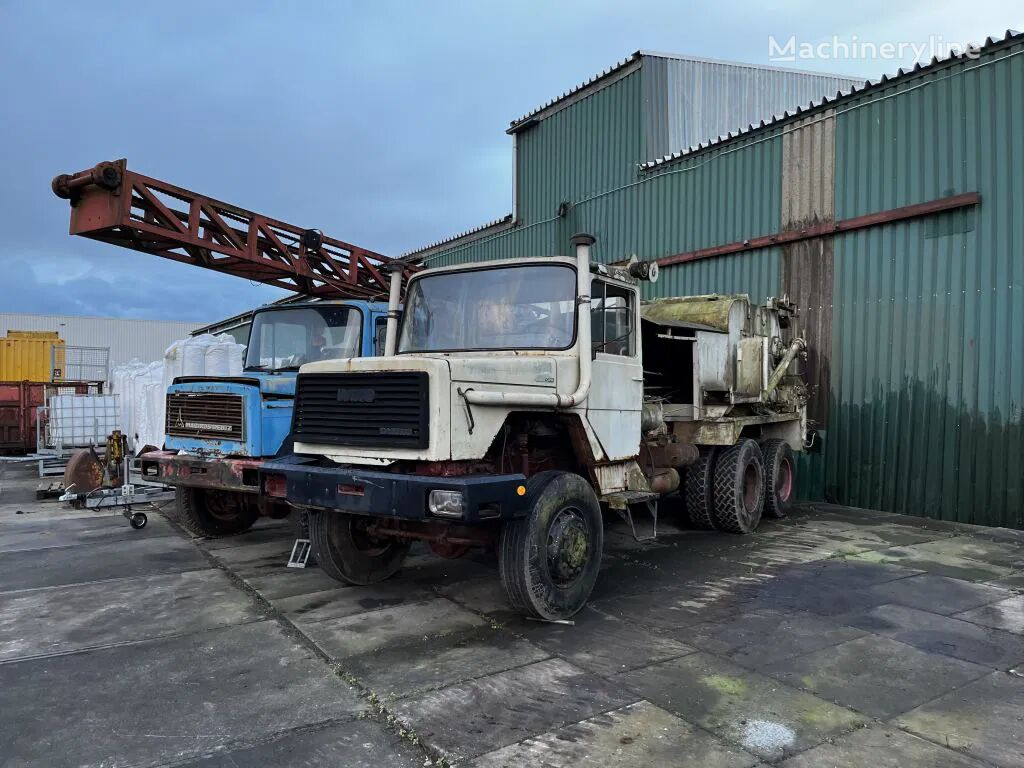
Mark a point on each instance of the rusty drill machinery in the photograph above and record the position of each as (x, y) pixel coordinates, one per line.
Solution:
(115, 205)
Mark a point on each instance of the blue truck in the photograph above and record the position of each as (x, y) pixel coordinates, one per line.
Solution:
(219, 431)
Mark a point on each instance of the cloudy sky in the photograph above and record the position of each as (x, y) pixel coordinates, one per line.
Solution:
(380, 123)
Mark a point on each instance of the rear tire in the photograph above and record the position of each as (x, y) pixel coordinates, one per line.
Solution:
(697, 489)
(779, 477)
(203, 512)
(345, 553)
(549, 559)
(739, 488)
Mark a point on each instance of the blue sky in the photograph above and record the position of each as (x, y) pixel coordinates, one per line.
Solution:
(380, 123)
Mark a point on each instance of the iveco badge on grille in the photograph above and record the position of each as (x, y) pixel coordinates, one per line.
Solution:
(360, 395)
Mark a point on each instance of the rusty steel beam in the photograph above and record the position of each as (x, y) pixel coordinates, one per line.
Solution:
(829, 228)
(111, 204)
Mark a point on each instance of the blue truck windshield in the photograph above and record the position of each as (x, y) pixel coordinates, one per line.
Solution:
(522, 307)
(284, 339)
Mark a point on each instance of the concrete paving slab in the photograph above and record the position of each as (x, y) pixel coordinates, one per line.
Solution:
(350, 600)
(469, 719)
(943, 564)
(374, 630)
(824, 600)
(938, 594)
(672, 609)
(971, 548)
(1014, 581)
(880, 534)
(742, 707)
(438, 662)
(427, 569)
(65, 533)
(146, 705)
(1006, 614)
(619, 577)
(257, 560)
(91, 562)
(848, 574)
(764, 635)
(875, 675)
(483, 595)
(288, 582)
(351, 744)
(880, 747)
(984, 719)
(942, 635)
(264, 531)
(62, 619)
(600, 643)
(640, 734)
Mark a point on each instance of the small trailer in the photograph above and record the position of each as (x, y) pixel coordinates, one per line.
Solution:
(518, 400)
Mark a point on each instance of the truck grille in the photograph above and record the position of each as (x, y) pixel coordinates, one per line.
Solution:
(378, 410)
(205, 415)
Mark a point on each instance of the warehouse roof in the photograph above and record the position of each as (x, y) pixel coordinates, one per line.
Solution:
(827, 102)
(627, 65)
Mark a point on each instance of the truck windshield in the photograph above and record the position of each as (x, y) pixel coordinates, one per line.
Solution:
(521, 307)
(284, 339)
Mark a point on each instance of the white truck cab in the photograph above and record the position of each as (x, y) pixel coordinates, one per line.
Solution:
(514, 406)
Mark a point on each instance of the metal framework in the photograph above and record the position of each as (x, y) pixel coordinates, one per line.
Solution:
(114, 205)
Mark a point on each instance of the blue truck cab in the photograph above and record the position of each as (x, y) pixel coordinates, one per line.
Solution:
(219, 431)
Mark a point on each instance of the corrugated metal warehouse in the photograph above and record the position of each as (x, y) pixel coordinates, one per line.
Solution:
(144, 340)
(891, 213)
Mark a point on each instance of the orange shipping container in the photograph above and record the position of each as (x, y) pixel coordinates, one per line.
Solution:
(30, 355)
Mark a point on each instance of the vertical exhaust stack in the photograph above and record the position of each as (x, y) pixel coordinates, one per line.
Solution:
(582, 243)
(394, 301)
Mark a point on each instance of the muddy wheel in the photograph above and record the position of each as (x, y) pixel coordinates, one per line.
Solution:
(213, 513)
(549, 560)
(697, 488)
(344, 550)
(739, 488)
(779, 477)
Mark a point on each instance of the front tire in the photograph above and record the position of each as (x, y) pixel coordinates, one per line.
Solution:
(549, 559)
(345, 552)
(739, 488)
(203, 512)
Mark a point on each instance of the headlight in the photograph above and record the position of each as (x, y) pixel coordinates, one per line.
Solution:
(445, 503)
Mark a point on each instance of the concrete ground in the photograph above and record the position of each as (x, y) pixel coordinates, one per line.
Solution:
(837, 637)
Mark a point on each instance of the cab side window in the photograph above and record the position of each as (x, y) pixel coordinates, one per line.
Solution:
(611, 319)
(380, 332)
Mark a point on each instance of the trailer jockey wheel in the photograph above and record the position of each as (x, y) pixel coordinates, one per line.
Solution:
(213, 513)
(739, 488)
(346, 552)
(779, 477)
(549, 559)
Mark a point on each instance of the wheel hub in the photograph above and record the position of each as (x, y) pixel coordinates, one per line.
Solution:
(568, 547)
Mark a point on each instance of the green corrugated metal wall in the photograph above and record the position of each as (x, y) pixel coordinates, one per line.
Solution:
(928, 334)
(927, 321)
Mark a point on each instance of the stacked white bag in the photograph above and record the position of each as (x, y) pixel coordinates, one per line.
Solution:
(142, 389)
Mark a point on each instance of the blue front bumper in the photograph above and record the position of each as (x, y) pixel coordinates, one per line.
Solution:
(354, 490)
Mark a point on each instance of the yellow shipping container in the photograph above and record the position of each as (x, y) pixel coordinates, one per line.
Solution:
(30, 355)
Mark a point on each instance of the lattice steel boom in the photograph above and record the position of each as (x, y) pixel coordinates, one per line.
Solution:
(114, 205)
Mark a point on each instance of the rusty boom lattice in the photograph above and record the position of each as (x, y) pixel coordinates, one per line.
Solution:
(114, 205)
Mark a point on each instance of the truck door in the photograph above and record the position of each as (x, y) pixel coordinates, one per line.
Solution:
(616, 393)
